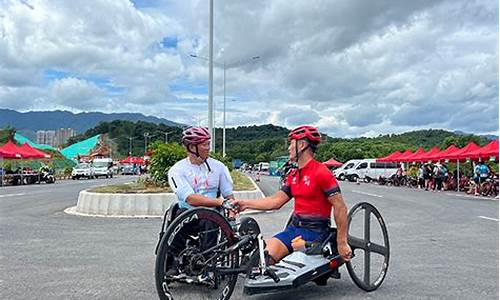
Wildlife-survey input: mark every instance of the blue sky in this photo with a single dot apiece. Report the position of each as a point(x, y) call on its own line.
point(352, 68)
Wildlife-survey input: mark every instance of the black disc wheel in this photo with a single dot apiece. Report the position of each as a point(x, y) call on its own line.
point(191, 259)
point(369, 242)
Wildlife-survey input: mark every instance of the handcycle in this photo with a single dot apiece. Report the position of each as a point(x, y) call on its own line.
point(202, 252)
point(489, 187)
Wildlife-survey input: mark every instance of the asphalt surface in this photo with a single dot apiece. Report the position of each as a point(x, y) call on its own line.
point(443, 246)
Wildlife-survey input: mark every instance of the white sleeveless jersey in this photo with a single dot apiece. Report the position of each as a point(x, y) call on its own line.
point(186, 179)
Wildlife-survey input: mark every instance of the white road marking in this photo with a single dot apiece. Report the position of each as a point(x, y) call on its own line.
point(472, 197)
point(254, 211)
point(492, 219)
point(368, 194)
point(12, 195)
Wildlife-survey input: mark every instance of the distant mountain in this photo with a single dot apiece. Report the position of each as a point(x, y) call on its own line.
point(51, 120)
point(489, 137)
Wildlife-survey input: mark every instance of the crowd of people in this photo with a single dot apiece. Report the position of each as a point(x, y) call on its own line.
point(437, 177)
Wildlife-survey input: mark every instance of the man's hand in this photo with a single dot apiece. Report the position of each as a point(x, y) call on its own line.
point(344, 251)
point(240, 204)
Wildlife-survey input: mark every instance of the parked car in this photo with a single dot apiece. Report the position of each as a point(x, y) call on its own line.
point(263, 168)
point(102, 167)
point(128, 169)
point(83, 170)
point(342, 170)
point(369, 169)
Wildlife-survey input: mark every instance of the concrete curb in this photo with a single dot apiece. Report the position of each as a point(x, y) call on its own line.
point(132, 205)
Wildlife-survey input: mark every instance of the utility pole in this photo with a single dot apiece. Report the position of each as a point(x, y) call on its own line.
point(130, 145)
point(224, 115)
point(166, 136)
point(224, 66)
point(146, 135)
point(211, 77)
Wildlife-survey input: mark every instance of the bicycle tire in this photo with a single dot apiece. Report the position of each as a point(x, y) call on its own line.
point(365, 244)
point(174, 232)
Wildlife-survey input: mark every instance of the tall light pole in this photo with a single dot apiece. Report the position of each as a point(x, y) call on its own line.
point(224, 114)
point(146, 135)
point(130, 145)
point(211, 77)
point(166, 136)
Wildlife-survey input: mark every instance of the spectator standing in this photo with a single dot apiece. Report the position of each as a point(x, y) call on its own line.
point(421, 177)
point(444, 176)
point(481, 173)
point(436, 172)
point(428, 177)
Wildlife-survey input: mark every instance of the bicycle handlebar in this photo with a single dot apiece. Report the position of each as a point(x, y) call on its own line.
point(228, 205)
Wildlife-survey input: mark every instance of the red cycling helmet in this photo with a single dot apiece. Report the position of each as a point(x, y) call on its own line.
point(195, 136)
point(305, 132)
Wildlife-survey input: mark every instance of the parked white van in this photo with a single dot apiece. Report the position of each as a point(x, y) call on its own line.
point(369, 169)
point(342, 170)
point(263, 166)
point(102, 167)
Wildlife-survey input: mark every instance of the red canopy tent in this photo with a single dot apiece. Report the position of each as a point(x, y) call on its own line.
point(463, 153)
point(332, 163)
point(490, 150)
point(133, 160)
point(402, 156)
point(427, 155)
point(409, 158)
point(389, 157)
point(10, 150)
point(139, 160)
point(29, 152)
point(444, 153)
point(7, 154)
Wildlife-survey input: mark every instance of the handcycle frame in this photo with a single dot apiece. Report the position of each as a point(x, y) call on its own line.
point(295, 269)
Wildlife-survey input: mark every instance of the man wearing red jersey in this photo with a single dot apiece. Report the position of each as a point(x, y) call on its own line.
point(315, 191)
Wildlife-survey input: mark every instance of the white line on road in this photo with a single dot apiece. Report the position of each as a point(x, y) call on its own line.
point(483, 217)
point(11, 195)
point(368, 194)
point(472, 197)
point(254, 211)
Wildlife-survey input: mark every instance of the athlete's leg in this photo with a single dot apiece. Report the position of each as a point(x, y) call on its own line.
point(276, 250)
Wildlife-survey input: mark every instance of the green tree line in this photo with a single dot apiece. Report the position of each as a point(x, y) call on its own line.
point(254, 144)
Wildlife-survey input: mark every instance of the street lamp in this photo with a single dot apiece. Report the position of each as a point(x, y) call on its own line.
point(166, 136)
point(110, 140)
point(146, 135)
point(211, 75)
point(225, 66)
point(130, 138)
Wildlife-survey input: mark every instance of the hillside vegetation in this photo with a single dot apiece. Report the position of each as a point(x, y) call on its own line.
point(267, 142)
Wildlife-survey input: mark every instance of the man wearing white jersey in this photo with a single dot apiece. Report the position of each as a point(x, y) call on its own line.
point(199, 180)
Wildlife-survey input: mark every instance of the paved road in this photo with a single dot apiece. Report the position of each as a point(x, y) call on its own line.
point(443, 246)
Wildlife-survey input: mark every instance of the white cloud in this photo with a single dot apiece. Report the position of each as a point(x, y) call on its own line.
point(73, 92)
point(351, 67)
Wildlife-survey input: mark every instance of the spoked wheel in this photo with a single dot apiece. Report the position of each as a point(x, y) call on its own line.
point(190, 262)
point(369, 242)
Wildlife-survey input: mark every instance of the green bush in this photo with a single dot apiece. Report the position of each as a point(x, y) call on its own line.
point(164, 157)
point(7, 165)
point(67, 171)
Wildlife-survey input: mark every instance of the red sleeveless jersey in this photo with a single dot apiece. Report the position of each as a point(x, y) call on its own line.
point(311, 186)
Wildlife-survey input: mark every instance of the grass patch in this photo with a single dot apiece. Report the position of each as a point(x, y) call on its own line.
point(240, 183)
point(131, 188)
